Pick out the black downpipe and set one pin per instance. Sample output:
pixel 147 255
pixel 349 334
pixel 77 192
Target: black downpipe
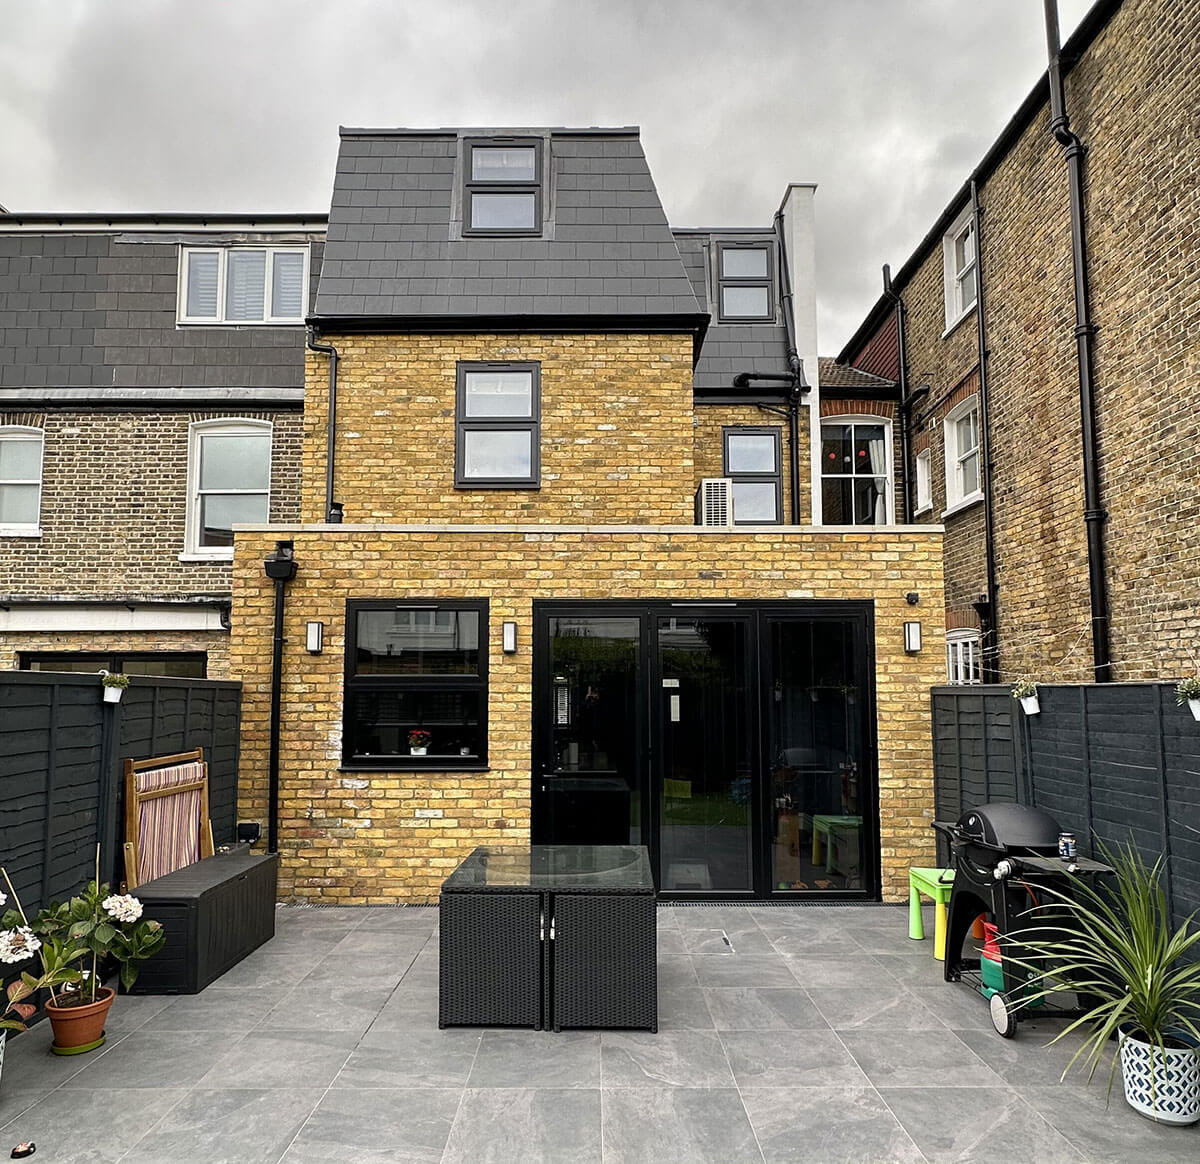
pixel 990 640
pixel 795 366
pixel 281 569
pixel 1094 514
pixel 905 401
pixel 333 511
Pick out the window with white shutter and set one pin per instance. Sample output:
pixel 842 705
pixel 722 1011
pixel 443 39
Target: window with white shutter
pixel 239 285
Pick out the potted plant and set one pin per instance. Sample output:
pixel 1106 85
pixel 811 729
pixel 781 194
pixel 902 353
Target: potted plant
pixel 1112 943
pixel 73 939
pixel 114 685
pixel 1025 692
pixel 418 742
pixel 1188 691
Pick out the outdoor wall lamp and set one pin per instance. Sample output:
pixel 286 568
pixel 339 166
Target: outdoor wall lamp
pixel 912 598
pixel 508 638
pixel 314 637
pixel 912 637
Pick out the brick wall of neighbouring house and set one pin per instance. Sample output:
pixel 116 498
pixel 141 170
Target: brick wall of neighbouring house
pixel 114 495
pixel 616 429
pixel 215 644
pixel 1131 99
pixel 355 837
pixel 712 419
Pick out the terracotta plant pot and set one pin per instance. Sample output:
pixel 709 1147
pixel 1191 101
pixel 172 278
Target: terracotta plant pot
pixel 80 1028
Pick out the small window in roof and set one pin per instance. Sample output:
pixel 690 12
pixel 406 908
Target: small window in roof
pixel 502 191
pixel 744 282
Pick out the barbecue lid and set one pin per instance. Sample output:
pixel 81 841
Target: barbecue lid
pixel 1010 826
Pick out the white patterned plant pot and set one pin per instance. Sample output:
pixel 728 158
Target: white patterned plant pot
pixel 1163 1085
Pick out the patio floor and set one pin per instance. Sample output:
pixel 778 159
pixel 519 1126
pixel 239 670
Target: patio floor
pixel 786 1034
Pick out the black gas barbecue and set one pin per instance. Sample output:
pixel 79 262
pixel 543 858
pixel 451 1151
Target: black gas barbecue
pixel 1004 857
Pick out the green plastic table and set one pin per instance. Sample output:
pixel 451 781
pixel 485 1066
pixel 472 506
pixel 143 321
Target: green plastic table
pixel 937 884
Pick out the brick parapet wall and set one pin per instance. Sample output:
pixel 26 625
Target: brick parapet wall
pixel 616 429
pixel 214 643
pixel 355 836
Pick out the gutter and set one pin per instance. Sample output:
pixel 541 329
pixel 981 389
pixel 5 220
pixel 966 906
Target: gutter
pixel 989 639
pixel 1094 514
pixel 333 510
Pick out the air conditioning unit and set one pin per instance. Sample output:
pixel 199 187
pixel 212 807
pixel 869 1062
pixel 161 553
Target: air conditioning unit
pixel 714 501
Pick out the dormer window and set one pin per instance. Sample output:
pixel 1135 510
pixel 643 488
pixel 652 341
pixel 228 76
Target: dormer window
pixel 503 188
pixel 744 283
pixel 242 285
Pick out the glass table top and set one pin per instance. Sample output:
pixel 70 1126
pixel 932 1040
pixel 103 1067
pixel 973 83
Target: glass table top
pixel 553 867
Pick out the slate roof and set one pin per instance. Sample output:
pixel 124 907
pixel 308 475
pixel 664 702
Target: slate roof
pixel 835 375
pixel 730 348
pixel 395 248
pixel 96 310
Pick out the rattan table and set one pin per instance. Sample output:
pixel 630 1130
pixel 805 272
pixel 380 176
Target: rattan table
pixel 560 936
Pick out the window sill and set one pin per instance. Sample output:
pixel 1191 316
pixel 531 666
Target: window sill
pixel 393 766
pixel 923 509
pixel 953 325
pixel 215 559
pixel 239 323
pixel 20 531
pixel 964 504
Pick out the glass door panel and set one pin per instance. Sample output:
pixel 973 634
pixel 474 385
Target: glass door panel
pixel 815 740
pixel 704 775
pixel 589 783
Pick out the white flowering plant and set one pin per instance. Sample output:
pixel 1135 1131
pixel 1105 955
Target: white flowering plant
pixel 92 926
pixel 19 944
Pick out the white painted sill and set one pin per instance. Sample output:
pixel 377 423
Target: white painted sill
pixel 20 531
pixel 923 509
pixel 965 503
pixel 216 559
pixel 953 325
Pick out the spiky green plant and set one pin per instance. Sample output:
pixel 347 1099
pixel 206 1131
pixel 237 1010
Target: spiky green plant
pixel 1112 943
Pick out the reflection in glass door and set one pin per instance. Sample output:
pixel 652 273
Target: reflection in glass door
pixel 589 781
pixel 815 740
pixel 704 777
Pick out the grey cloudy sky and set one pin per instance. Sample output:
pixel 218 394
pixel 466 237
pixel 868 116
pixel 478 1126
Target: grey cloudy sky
pixel 234 104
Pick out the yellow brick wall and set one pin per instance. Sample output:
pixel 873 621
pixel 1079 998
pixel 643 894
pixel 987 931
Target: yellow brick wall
pixel 712 419
pixel 616 429
pixel 214 643
pixel 354 836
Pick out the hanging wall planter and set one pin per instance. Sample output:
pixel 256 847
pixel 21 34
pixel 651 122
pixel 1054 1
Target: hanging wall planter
pixel 114 685
pixel 1188 691
pixel 1025 692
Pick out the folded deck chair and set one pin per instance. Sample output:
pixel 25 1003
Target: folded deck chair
pixel 166 815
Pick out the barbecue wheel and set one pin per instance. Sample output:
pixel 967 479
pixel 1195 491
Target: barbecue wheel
pixel 1003 1019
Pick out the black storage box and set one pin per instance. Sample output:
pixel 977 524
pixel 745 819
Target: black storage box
pixel 215 912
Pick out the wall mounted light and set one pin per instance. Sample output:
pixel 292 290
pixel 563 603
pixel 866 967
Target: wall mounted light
pixel 912 637
pixel 912 598
pixel 509 638
pixel 315 637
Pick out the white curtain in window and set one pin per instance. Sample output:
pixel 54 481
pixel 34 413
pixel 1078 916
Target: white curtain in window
pixel 876 454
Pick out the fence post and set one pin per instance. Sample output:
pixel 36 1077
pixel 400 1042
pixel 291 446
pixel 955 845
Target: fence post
pixel 1086 740
pixel 1164 827
pixel 106 809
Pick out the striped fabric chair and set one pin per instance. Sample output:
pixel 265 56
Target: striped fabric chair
pixel 166 815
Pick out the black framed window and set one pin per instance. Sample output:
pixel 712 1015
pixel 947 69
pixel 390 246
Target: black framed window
pixel 502 188
pixel 416 684
pixel 752 459
pixel 170 664
pixel 745 285
pixel 498 420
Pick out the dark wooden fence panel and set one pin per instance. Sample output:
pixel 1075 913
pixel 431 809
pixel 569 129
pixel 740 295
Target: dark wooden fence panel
pixel 1115 762
pixel 61 760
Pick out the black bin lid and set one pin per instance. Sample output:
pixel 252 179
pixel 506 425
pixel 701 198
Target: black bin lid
pixel 1010 826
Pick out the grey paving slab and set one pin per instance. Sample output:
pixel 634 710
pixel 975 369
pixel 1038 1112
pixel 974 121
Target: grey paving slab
pixel 274 1057
pixel 530 1125
pixel 227 1126
pixel 390 1058
pixel 413 1009
pixel 683 1125
pixel 820 1125
pixel 666 1059
pixel 857 1007
pixel 1106 1129
pixel 912 966
pixel 153 1059
pixel 981 1126
pixel 1028 1060
pixel 932 1059
pixel 748 1008
pixel 90 1127
pixel 535 1059
pixel 742 939
pixel 744 970
pixel 374 1126
pixel 670 940
pixel 264 971
pixel 816 971
pixel 790 1059
pixel 215 1010
pixel 684 1009
pixel 329 1005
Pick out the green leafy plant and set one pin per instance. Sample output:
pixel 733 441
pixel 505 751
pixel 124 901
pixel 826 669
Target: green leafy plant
pixel 1024 689
pixel 1112 943
pixel 93 926
pixel 114 679
pixel 1187 689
